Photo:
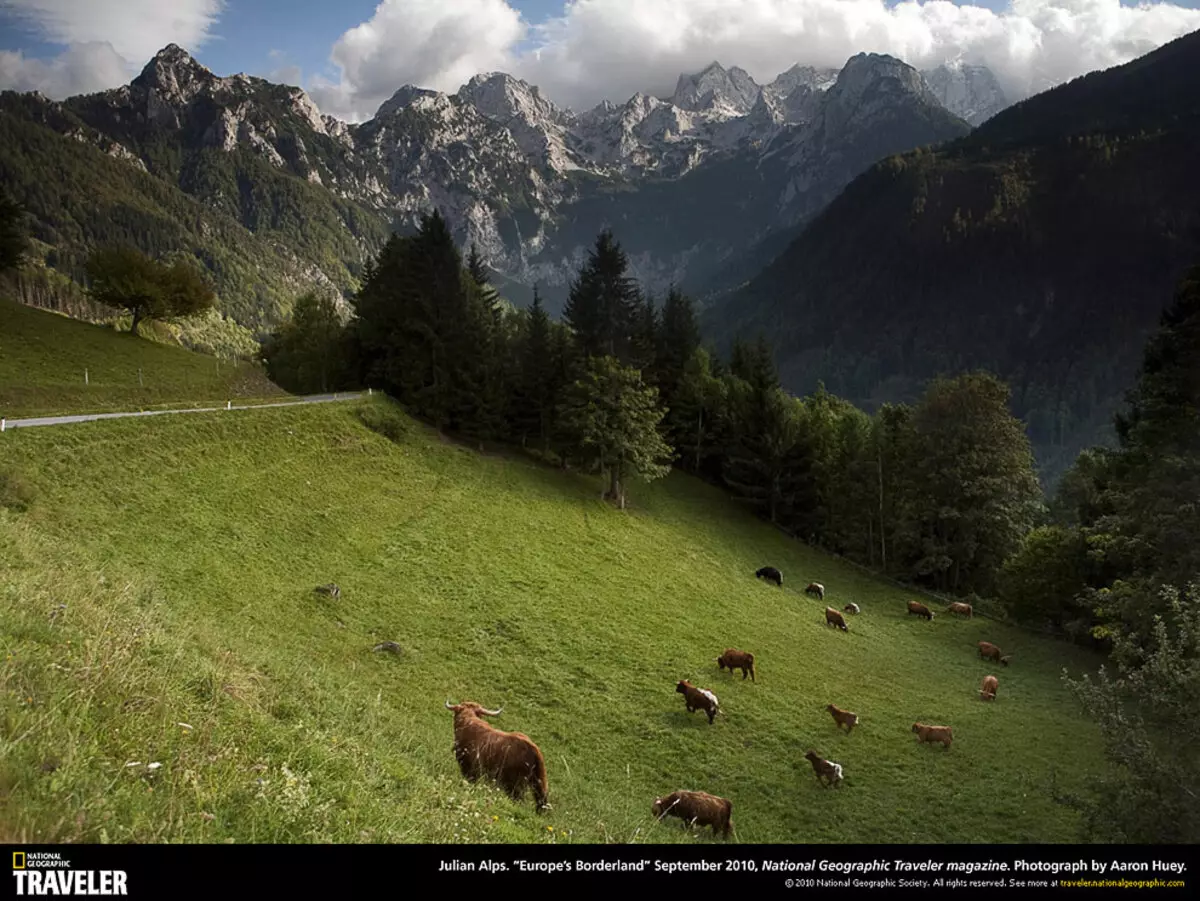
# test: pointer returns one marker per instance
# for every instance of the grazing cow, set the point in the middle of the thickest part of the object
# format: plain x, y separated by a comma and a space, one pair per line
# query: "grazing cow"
961, 609
925, 733
331, 590
827, 771
916, 607
842, 717
990, 685
698, 699
833, 618
852, 608
509, 758
988, 651
735, 659
697, 808
770, 574
816, 589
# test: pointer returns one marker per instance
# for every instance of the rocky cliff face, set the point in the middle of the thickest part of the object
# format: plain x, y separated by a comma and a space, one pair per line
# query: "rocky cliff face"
687, 182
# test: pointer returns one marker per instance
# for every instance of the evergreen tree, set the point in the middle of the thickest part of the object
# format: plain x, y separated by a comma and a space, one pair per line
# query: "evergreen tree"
1137, 523
644, 340
611, 419
539, 379
678, 340
691, 423
602, 307
478, 272
13, 240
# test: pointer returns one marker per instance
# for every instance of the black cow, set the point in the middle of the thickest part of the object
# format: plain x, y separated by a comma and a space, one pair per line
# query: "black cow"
771, 574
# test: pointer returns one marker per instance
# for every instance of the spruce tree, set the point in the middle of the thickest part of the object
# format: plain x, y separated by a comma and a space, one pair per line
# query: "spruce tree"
678, 340
602, 307
13, 240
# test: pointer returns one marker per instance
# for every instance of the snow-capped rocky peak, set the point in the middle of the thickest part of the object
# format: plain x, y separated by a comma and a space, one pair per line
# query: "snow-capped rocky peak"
801, 77
970, 92
718, 89
537, 125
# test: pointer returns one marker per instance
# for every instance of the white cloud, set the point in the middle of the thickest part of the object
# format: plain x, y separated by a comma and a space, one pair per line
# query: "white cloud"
431, 43
81, 69
610, 49
105, 40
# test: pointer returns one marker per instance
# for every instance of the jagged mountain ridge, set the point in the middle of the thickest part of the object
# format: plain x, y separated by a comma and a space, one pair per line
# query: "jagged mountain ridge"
688, 182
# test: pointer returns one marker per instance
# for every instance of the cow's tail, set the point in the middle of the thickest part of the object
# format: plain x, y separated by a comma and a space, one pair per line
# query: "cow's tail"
538, 781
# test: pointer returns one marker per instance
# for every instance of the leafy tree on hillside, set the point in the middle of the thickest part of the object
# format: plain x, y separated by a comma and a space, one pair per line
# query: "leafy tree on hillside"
1044, 583
973, 493
611, 418
125, 278
603, 304
13, 240
1150, 723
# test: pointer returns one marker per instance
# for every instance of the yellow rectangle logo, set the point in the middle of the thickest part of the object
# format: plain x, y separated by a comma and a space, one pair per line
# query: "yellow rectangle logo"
18, 860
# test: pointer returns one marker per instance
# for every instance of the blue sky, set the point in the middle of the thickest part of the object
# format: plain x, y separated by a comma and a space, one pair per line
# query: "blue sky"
352, 54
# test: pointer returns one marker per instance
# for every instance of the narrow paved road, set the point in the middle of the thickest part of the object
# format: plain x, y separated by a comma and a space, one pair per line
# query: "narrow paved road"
90, 417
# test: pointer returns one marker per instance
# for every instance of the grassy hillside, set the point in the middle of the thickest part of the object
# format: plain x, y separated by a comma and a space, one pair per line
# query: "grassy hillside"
43, 357
158, 608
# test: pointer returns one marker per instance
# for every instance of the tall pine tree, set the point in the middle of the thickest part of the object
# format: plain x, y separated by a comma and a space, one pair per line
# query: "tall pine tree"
603, 304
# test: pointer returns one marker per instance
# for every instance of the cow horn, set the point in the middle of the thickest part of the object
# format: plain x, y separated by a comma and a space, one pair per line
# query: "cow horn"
495, 712
449, 706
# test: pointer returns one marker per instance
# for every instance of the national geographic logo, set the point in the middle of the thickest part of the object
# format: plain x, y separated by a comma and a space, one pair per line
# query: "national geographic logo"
41, 873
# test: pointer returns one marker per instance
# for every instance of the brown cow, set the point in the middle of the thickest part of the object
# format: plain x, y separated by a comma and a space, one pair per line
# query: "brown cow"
833, 618
961, 609
851, 608
509, 758
735, 659
990, 685
827, 771
816, 589
988, 651
698, 699
925, 733
920, 609
697, 808
842, 717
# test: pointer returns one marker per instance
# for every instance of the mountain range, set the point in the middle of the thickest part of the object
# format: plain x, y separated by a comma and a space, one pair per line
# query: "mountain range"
1043, 246
273, 196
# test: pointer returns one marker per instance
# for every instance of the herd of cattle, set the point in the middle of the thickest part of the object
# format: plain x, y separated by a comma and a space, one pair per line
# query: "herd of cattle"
515, 763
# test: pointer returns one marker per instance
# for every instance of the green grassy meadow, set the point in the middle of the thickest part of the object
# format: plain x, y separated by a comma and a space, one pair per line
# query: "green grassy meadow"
162, 573
43, 357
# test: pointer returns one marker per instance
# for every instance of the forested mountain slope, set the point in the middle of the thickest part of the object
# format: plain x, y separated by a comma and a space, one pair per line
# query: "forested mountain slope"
1040, 247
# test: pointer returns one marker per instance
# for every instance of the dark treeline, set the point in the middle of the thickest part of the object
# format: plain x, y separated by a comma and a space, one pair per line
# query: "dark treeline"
940, 493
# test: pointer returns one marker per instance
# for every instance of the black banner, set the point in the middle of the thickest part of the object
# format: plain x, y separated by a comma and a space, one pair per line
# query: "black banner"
235, 871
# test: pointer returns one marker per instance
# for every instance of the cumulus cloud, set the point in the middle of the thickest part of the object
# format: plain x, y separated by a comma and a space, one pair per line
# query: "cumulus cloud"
105, 40
610, 49
81, 69
437, 44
